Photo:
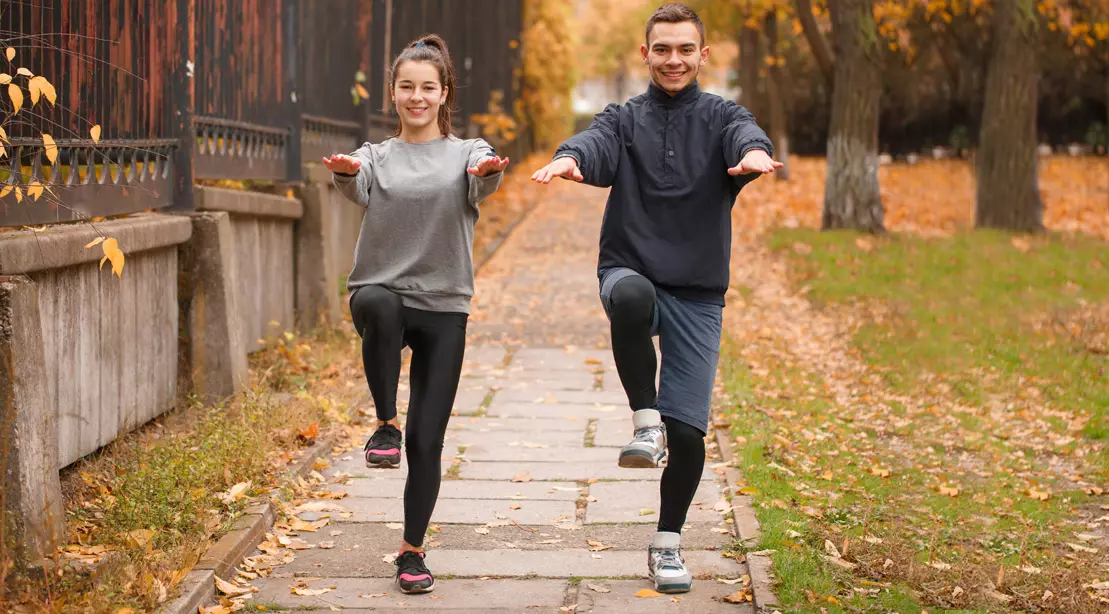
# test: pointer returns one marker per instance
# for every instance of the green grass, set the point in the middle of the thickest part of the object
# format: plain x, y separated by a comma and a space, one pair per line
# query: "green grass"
984, 316
957, 325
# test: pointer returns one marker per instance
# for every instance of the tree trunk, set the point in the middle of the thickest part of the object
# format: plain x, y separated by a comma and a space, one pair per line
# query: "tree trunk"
1008, 186
750, 58
851, 196
779, 132
816, 40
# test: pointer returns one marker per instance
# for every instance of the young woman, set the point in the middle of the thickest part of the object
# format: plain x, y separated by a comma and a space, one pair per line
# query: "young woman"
413, 275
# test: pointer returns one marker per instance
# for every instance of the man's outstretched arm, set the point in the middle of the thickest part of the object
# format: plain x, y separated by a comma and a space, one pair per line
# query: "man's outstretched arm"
747, 149
591, 156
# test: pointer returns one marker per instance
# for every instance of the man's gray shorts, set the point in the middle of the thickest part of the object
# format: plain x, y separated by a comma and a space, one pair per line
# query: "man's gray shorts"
689, 338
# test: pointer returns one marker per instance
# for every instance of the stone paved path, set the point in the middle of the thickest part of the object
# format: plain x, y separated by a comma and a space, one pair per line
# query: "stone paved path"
534, 514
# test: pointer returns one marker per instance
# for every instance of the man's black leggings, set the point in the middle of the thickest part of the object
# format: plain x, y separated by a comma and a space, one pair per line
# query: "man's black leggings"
632, 309
438, 342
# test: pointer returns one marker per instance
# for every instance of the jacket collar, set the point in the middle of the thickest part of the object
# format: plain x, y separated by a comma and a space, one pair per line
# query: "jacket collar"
682, 98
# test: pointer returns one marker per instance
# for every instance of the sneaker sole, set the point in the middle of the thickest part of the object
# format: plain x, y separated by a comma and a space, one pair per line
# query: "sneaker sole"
416, 591
382, 463
674, 588
636, 459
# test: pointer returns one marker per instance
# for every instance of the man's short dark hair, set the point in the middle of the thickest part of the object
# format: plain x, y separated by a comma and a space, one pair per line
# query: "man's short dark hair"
675, 13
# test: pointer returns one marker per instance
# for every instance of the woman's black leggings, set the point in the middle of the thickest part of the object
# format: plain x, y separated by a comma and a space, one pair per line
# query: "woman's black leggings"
438, 342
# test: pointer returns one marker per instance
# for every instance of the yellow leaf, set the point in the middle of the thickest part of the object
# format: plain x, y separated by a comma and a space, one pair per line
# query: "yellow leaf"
362, 93
34, 190
50, 146
24, 72
48, 90
3, 151
5, 191
3, 134
139, 538
5, 78
948, 491
18, 195
102, 261
94, 132
1038, 494
230, 589
310, 592
35, 86
16, 95
94, 242
10, 53
320, 464
125, 611
648, 594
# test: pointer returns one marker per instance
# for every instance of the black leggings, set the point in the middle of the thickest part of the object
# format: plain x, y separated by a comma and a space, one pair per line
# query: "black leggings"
438, 342
632, 312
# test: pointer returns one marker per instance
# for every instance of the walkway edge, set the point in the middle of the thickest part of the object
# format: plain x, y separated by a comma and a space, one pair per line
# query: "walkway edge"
745, 526
221, 558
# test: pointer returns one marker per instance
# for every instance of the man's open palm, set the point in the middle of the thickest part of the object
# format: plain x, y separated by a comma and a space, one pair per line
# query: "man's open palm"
756, 161
565, 167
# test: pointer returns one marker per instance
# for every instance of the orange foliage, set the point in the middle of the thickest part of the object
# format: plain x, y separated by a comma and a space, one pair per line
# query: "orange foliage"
932, 196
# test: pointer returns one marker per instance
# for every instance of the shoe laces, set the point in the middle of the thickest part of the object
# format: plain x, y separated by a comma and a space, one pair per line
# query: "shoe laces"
384, 434
647, 434
668, 558
411, 562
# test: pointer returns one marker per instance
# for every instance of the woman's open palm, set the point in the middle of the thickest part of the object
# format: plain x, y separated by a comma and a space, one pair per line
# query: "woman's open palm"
344, 165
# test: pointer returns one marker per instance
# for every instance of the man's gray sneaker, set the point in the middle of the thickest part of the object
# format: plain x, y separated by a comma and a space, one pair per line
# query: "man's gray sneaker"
648, 447
666, 566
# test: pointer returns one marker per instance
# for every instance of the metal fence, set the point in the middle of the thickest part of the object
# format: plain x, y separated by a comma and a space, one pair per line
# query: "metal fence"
219, 89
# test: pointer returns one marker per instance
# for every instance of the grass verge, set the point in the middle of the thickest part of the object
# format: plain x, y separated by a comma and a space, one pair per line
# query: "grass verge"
142, 511
963, 471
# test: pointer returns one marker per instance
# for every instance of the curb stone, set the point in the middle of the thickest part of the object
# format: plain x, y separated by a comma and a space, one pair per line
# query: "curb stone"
745, 526
199, 586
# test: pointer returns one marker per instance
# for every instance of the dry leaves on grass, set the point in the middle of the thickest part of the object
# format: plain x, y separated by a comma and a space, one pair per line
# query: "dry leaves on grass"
931, 197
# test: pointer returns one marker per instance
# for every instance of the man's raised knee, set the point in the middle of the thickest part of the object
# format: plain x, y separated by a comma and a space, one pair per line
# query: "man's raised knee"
633, 300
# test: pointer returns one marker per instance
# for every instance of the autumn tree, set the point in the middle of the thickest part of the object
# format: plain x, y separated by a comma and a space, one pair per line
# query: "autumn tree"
548, 71
1008, 187
852, 199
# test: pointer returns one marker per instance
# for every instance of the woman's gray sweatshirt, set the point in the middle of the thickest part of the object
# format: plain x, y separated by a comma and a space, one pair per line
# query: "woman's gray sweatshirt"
421, 205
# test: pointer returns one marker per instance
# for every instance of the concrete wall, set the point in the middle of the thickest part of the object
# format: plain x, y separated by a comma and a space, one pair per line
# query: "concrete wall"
344, 223
110, 344
262, 235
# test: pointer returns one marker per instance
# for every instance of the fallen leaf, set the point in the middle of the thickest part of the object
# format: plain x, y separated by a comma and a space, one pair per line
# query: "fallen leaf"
940, 565
522, 477
328, 545
374, 595
320, 464
646, 512
864, 244
231, 590
1021, 244
595, 546
831, 550
598, 588
310, 592
514, 506
948, 491
743, 595
396, 526
1081, 548
958, 591
648, 594
1038, 494
481, 531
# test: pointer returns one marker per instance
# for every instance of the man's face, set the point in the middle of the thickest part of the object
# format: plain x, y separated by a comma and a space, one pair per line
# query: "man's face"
674, 55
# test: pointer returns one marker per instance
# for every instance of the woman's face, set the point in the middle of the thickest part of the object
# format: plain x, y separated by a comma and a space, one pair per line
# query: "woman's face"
418, 94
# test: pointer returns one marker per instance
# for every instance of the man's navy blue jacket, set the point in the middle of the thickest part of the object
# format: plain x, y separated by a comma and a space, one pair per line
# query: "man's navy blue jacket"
666, 159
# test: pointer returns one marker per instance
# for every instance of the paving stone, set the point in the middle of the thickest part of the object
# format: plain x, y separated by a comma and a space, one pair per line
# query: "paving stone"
355, 466
613, 433
461, 511
503, 453
587, 397
481, 595
470, 400
570, 563
460, 489
558, 358
485, 355
566, 438
469, 423
580, 379
571, 471
706, 596
623, 502
527, 409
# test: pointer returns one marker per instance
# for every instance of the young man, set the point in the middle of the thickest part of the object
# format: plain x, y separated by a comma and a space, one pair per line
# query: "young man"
676, 159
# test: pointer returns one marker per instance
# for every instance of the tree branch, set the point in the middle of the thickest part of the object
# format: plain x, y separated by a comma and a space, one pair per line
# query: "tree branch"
819, 45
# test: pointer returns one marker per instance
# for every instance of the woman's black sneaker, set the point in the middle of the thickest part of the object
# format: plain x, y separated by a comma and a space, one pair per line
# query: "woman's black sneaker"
383, 448
413, 576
